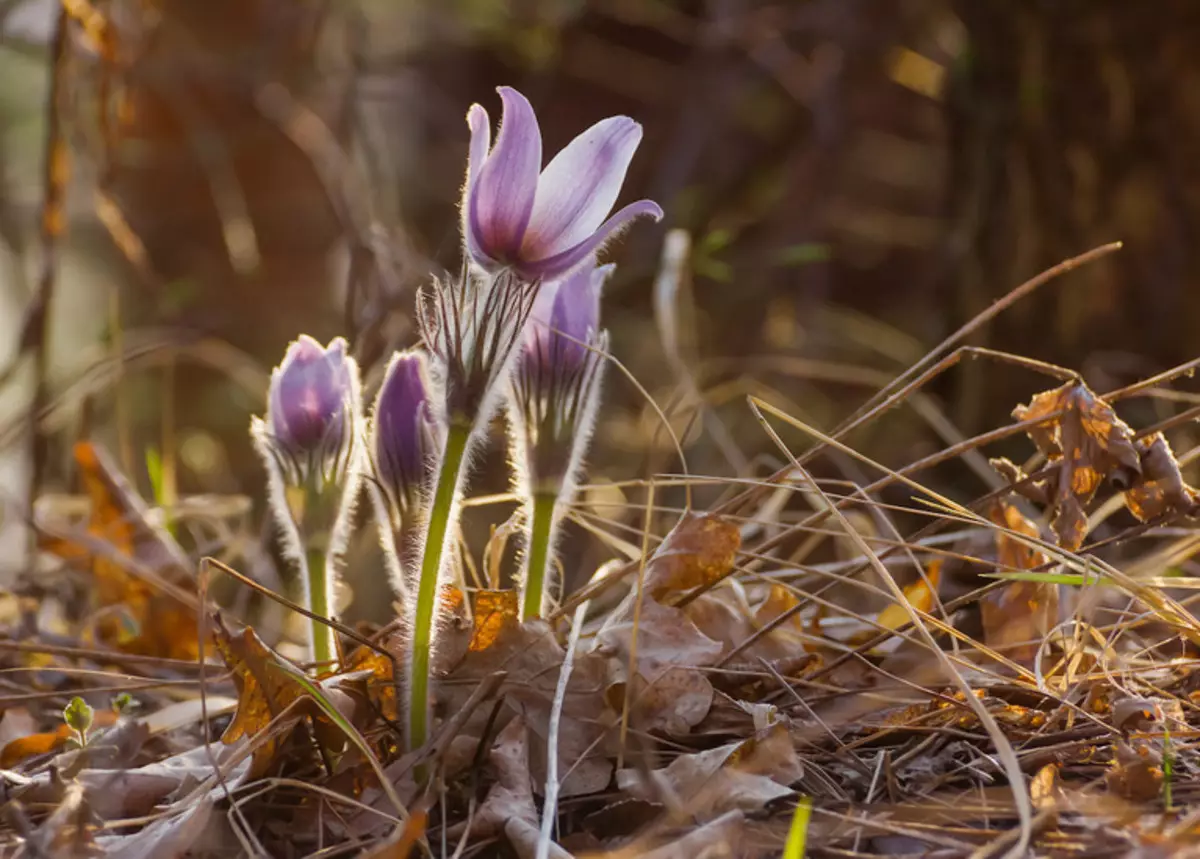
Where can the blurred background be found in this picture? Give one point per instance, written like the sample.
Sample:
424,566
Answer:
857,177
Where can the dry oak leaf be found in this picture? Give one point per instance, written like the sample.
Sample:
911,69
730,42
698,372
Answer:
495,613
671,691
532,658
267,685
700,550
381,675
1018,616
920,595
1085,444
1159,489
509,805
742,776
144,591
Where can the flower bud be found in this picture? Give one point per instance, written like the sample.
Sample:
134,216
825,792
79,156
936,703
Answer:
311,410
403,432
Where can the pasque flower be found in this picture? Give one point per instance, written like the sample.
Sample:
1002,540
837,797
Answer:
554,388
404,438
310,405
310,444
552,408
404,433
543,223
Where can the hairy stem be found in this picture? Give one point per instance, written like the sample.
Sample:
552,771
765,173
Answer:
448,478
319,580
541,533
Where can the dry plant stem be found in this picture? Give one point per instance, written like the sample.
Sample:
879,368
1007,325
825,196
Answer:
1008,759
900,387
541,536
432,557
550,808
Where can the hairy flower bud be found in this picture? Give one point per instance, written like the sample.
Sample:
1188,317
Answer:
556,386
404,434
312,406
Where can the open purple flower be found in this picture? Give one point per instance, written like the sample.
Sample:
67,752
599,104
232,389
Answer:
311,404
403,431
544,223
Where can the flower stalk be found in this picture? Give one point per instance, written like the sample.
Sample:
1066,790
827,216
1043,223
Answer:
541,530
442,513
309,444
551,408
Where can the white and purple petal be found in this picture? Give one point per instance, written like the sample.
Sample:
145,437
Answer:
562,263
579,186
500,199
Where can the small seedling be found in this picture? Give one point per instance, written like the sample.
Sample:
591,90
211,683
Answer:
78,715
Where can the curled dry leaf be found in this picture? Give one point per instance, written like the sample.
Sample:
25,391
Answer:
700,550
267,685
1084,445
1136,773
1159,490
670,692
138,612
1017,617
741,776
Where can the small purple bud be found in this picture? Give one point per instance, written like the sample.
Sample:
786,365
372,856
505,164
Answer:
403,431
544,223
312,403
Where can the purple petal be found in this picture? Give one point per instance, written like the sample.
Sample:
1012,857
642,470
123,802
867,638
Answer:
564,312
481,138
560,264
400,429
578,188
308,393
576,311
500,203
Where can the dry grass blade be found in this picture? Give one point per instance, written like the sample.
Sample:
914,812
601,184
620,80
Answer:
1004,749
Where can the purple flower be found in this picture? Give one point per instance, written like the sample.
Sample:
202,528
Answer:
403,430
555,391
311,407
544,223
564,316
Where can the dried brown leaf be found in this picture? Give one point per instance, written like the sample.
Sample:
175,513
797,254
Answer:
495,612
670,692
741,776
1085,445
1159,489
509,807
136,616
1017,617
698,551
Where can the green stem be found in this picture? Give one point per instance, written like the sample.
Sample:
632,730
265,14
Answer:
427,588
323,647
541,529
